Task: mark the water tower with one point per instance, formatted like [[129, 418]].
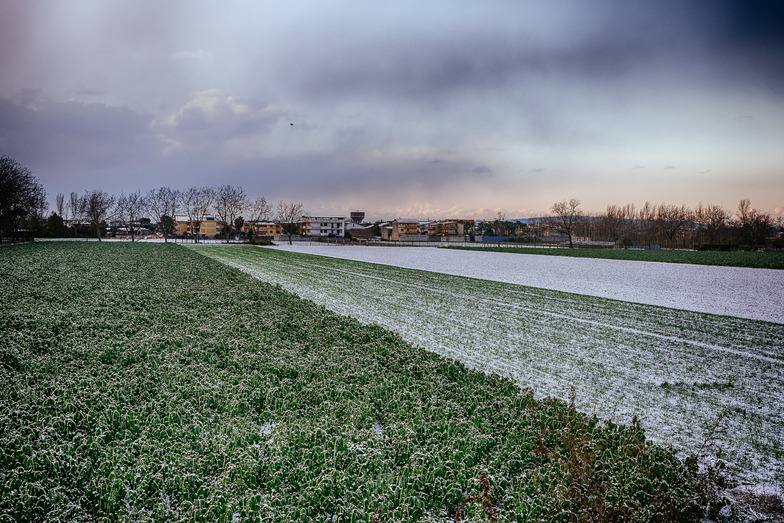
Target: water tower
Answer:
[[357, 216]]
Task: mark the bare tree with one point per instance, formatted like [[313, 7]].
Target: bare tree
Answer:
[[567, 217], [500, 224], [671, 219], [197, 202], [712, 219], [614, 222], [647, 222], [162, 205], [59, 205], [229, 203], [129, 211], [260, 210], [628, 228], [289, 214], [745, 212], [96, 206], [754, 225], [73, 207]]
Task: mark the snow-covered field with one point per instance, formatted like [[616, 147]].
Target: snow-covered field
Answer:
[[733, 291], [687, 375]]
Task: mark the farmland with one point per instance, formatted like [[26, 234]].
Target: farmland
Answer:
[[148, 382], [686, 375], [729, 291], [755, 260]]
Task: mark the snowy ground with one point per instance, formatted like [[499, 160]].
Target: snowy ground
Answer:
[[681, 372], [733, 291]]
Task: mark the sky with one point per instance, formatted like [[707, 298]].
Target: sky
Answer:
[[437, 109]]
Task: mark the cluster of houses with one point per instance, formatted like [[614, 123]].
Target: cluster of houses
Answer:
[[352, 227], [210, 228]]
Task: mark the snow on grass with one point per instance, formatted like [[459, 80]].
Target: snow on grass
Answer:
[[146, 382], [733, 291], [680, 371]]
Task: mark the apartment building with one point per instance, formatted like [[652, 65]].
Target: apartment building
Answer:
[[323, 226], [209, 227], [446, 228], [263, 228]]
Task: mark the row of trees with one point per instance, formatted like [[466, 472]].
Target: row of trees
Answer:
[[23, 206], [669, 225], [227, 203]]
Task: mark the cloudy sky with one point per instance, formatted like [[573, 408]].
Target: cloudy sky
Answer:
[[402, 109]]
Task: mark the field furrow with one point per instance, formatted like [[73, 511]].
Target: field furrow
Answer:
[[145, 382], [683, 373]]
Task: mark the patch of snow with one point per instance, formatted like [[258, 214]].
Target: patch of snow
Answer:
[[266, 428], [756, 294], [691, 378]]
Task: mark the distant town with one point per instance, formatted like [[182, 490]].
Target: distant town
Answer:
[[226, 213]]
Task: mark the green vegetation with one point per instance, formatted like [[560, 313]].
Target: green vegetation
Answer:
[[756, 260], [614, 356], [148, 382]]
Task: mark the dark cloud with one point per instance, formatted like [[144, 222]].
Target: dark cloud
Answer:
[[746, 40], [75, 140], [394, 102], [755, 23], [73, 132], [665, 42], [427, 70]]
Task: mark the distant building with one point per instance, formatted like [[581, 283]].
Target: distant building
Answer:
[[386, 231], [403, 226], [323, 226], [355, 231], [263, 228], [445, 228], [207, 228]]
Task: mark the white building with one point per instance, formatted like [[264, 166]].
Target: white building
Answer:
[[323, 226]]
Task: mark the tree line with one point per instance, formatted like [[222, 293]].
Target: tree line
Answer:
[[23, 208], [227, 204], [705, 226]]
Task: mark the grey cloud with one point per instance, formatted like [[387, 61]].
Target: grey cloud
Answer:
[[501, 90], [429, 70], [73, 145], [74, 132], [211, 117], [627, 41], [92, 91], [326, 177]]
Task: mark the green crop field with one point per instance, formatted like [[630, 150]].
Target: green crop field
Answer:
[[688, 376], [148, 382], [756, 260]]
